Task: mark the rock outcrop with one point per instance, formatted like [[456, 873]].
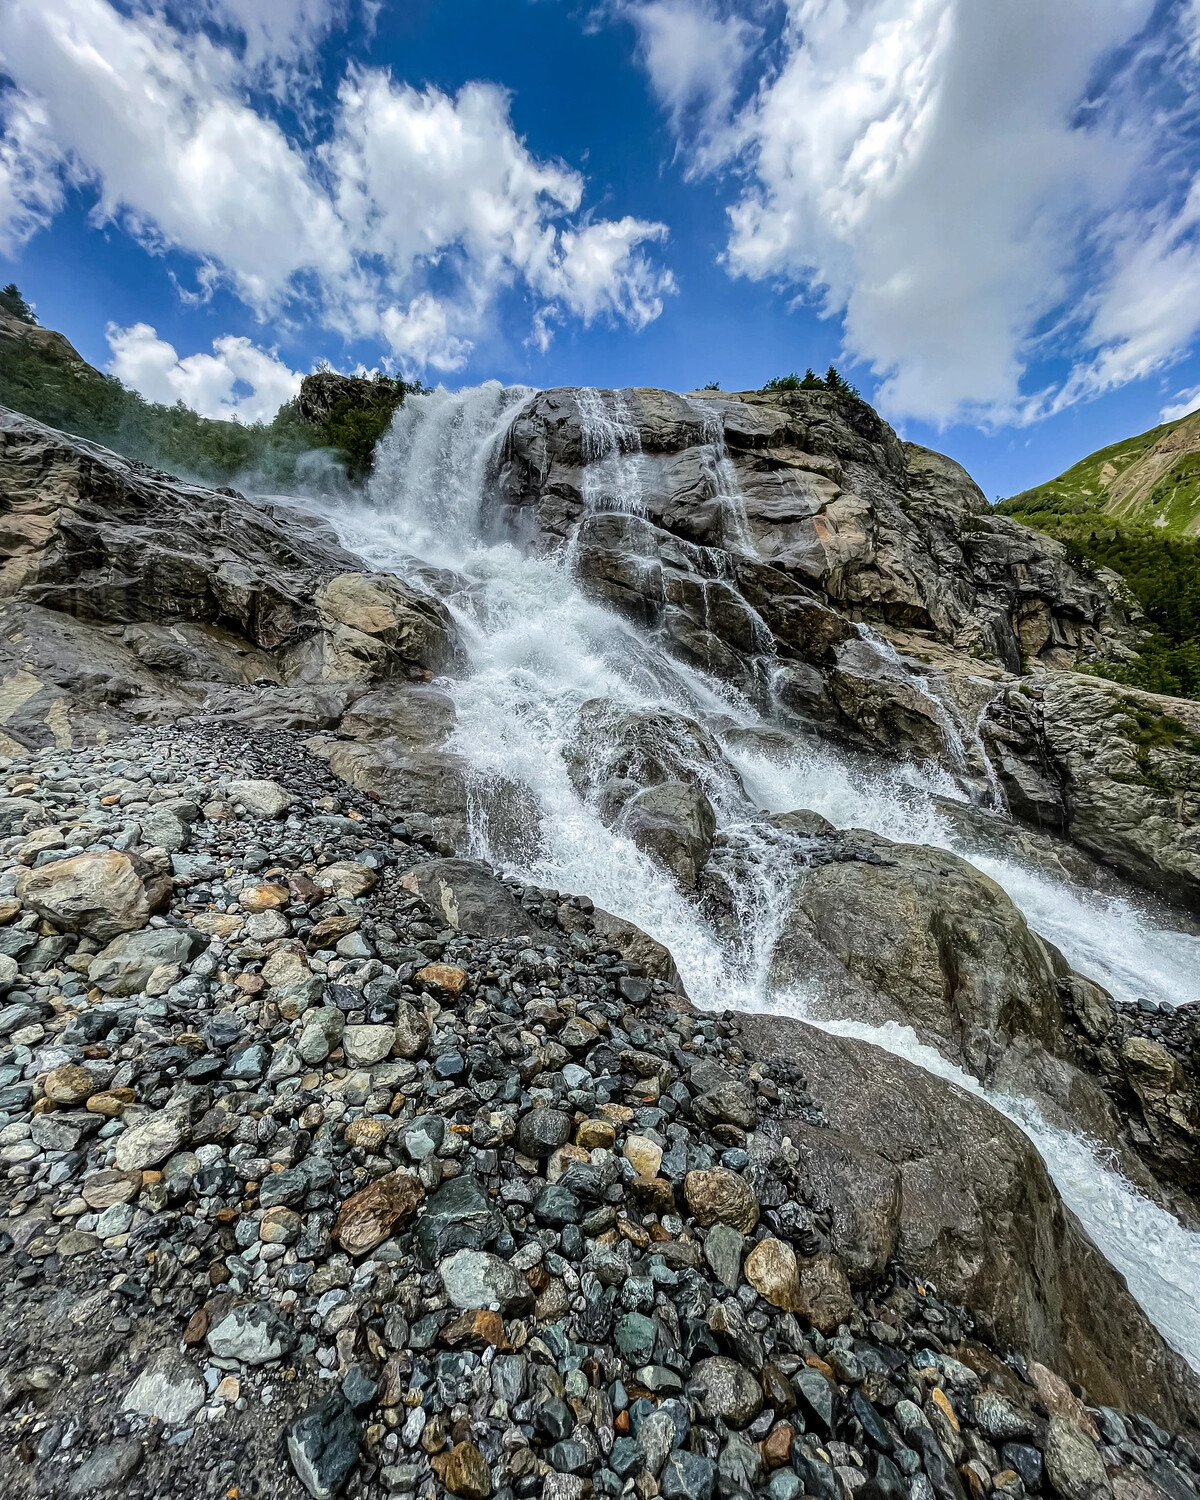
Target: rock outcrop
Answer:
[[129, 595], [911, 1166], [773, 527]]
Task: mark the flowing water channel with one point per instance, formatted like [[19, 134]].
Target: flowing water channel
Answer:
[[538, 649]]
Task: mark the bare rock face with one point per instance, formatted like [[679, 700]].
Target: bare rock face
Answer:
[[132, 595], [830, 498], [911, 1166], [1115, 768]]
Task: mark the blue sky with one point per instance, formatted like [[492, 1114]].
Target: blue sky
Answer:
[[987, 216]]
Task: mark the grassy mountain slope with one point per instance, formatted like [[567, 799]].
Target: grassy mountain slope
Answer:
[[1152, 479]]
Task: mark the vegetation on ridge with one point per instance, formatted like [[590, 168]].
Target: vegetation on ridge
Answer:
[[1162, 570], [285, 453], [811, 381]]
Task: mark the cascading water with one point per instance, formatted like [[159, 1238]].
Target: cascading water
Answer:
[[612, 450], [539, 649]]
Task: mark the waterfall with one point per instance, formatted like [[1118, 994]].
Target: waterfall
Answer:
[[611, 440], [539, 649]]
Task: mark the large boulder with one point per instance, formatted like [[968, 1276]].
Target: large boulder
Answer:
[[906, 933], [911, 1166], [674, 824], [97, 895], [465, 894]]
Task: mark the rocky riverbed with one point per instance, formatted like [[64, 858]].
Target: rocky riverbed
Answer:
[[332, 1163]]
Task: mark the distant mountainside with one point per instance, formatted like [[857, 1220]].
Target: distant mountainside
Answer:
[[1151, 479], [317, 439]]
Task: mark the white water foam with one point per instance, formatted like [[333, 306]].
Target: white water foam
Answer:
[[538, 650]]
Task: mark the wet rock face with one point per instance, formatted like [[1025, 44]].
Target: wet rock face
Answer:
[[831, 500], [758, 527]]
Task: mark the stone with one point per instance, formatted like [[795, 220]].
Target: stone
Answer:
[[106, 1467], [261, 799], [643, 1154], [464, 1471], [321, 1031], [367, 1135], [448, 978], [69, 1085], [97, 895], [823, 1295], [771, 1270], [542, 1131], [687, 1476], [253, 1333], [412, 1032], [322, 1444], [125, 966], [723, 1247], [169, 1390], [477, 1279], [279, 1226], [423, 1137], [150, 1142], [727, 1390], [457, 1217], [346, 878], [162, 829], [365, 1046], [102, 1189], [1073, 1465], [717, 1195], [370, 1216], [635, 1335], [595, 1135]]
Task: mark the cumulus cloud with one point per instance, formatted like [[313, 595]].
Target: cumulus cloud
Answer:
[[971, 188], [238, 381], [406, 223]]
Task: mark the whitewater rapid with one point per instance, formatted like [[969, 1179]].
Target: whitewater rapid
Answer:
[[538, 649]]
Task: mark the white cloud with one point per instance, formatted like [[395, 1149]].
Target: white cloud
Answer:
[[417, 211], [695, 57], [30, 183], [419, 334], [1185, 403], [238, 381], [948, 177]]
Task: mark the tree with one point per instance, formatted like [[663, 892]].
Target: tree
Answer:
[[12, 302]]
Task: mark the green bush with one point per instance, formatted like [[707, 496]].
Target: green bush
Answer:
[[12, 302]]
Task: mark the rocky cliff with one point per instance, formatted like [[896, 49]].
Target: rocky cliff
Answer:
[[443, 1182]]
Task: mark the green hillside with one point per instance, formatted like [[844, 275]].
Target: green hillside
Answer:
[[43, 376], [1152, 480]]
